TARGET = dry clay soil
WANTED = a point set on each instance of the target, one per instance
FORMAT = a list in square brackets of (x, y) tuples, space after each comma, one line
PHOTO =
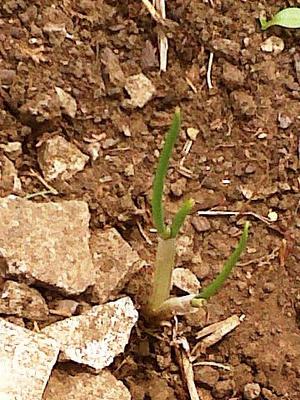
[(244, 158)]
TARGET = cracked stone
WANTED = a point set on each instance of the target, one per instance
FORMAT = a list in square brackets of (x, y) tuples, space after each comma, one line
[(26, 361), (103, 386), (9, 181), (140, 90), (22, 301), (96, 337), (59, 158), (47, 243), (185, 280), (115, 262)]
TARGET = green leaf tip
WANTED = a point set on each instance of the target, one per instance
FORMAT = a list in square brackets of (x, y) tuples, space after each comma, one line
[(212, 289), (286, 18), (160, 175), (180, 216)]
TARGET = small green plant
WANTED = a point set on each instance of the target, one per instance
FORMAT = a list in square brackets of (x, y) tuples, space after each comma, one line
[(160, 304), (287, 18)]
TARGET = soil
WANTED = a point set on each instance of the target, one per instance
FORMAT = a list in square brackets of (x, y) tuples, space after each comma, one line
[(245, 158)]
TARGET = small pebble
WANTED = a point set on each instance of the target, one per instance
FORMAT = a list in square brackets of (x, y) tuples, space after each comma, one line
[(192, 133), (201, 224), (251, 391)]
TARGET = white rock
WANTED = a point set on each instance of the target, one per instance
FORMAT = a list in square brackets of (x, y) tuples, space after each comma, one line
[(47, 243), (192, 133), (67, 102), (103, 386), (185, 280), (26, 361), (273, 44), (96, 337), (59, 158), (140, 90)]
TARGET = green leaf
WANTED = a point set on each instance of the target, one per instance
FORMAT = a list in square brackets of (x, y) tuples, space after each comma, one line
[(180, 216), (287, 18), (212, 289), (160, 175)]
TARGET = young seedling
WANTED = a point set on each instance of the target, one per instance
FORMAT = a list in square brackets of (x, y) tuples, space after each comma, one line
[(287, 18), (160, 304)]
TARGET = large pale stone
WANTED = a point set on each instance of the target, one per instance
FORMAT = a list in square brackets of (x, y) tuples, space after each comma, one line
[(140, 90), (115, 262), (59, 158), (47, 243), (21, 300), (26, 361), (103, 386), (96, 337)]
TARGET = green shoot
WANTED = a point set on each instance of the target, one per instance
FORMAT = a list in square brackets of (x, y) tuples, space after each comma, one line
[(160, 304), (287, 18), (212, 289), (158, 186)]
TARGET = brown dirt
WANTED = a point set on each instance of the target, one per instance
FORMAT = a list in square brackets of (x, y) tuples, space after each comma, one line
[(241, 141)]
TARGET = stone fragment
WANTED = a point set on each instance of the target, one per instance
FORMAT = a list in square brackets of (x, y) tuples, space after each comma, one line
[(224, 389), (21, 300), (140, 90), (201, 224), (243, 103), (114, 261), (59, 158), (64, 308), (284, 121), (96, 337), (7, 76), (227, 48), (56, 32), (273, 44), (232, 76), (185, 280), (67, 102), (251, 391), (112, 64), (47, 243), (13, 149), (192, 133), (9, 181), (178, 187), (26, 361), (103, 386), (206, 375)]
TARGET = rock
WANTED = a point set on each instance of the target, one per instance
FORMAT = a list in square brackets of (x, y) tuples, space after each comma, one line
[(226, 48), (206, 375), (13, 149), (178, 187), (64, 308), (140, 90), (47, 243), (114, 70), (185, 280), (243, 103), (9, 181), (21, 300), (59, 158), (67, 102), (96, 337), (26, 361), (201, 224), (268, 395), (251, 391), (192, 133), (284, 121), (273, 44), (115, 262), (56, 32), (223, 389), (7, 76), (232, 77), (103, 386)]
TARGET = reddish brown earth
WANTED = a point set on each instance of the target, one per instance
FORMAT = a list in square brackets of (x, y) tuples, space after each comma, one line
[(245, 157)]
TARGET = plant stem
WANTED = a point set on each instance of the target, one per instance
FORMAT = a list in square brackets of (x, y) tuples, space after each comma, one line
[(164, 263), (211, 289), (160, 175)]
